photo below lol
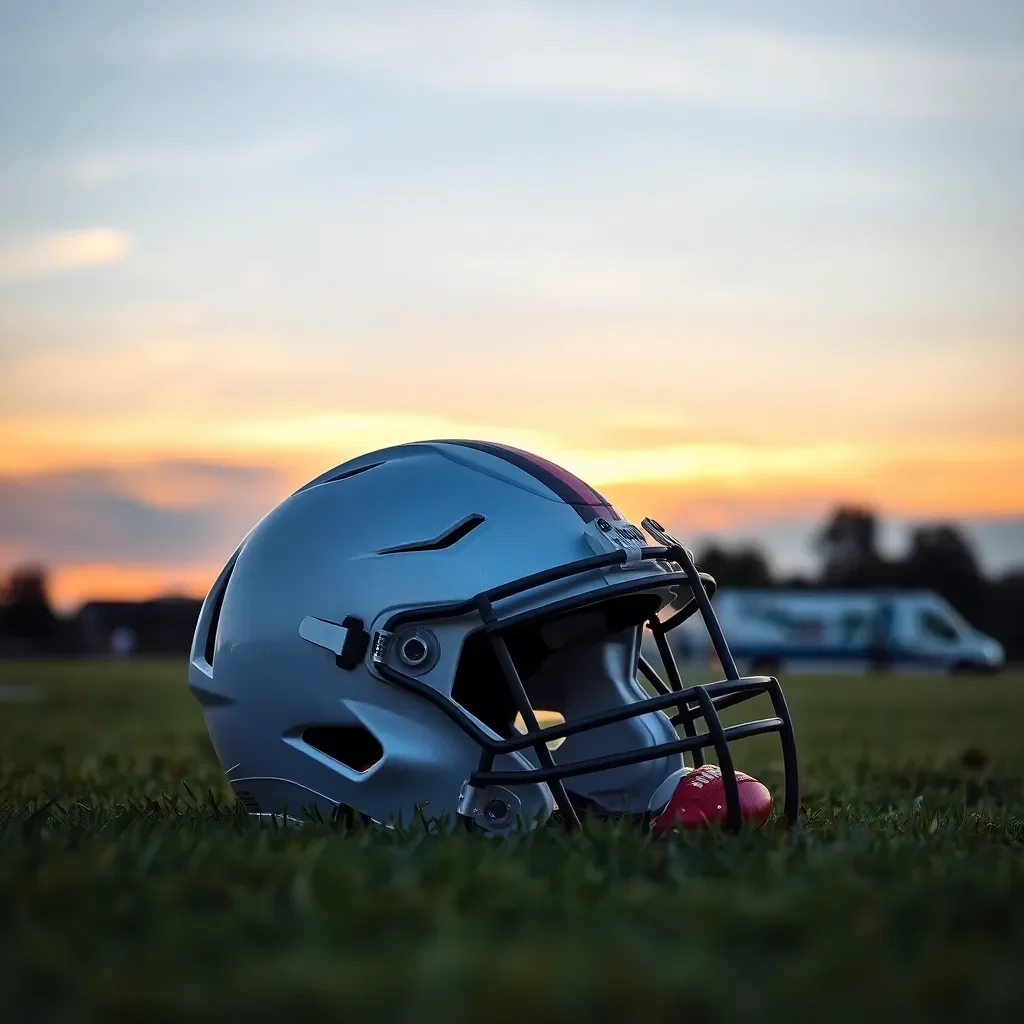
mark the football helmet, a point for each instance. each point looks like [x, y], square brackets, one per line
[387, 641]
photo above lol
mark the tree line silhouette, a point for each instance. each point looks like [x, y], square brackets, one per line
[938, 558]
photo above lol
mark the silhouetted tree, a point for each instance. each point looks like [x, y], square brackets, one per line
[940, 559]
[848, 548]
[1006, 595]
[27, 614]
[744, 567]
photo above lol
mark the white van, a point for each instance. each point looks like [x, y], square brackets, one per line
[769, 629]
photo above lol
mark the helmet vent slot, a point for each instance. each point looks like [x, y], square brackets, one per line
[352, 745]
[344, 474]
[210, 647]
[348, 473]
[449, 537]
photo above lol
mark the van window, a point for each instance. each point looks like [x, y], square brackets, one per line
[936, 626]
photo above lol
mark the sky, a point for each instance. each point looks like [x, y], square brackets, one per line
[733, 264]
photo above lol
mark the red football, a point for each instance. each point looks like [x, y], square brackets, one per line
[699, 801]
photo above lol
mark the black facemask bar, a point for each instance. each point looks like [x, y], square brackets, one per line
[692, 704]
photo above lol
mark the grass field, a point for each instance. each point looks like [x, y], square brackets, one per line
[130, 888]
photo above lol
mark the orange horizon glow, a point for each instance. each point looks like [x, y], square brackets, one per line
[70, 586]
[174, 462]
[699, 489]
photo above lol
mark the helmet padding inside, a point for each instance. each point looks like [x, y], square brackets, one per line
[577, 664]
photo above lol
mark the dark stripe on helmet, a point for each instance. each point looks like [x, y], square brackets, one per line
[589, 504]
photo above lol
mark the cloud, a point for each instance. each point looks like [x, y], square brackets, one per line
[42, 255]
[105, 167]
[156, 512]
[595, 54]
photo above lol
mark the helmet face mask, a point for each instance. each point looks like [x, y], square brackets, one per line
[691, 705]
[383, 706]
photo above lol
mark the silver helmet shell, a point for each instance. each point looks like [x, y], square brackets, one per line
[348, 657]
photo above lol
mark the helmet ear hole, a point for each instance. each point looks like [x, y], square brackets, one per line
[354, 746]
[480, 686]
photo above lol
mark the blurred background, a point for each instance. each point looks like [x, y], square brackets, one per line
[758, 274]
